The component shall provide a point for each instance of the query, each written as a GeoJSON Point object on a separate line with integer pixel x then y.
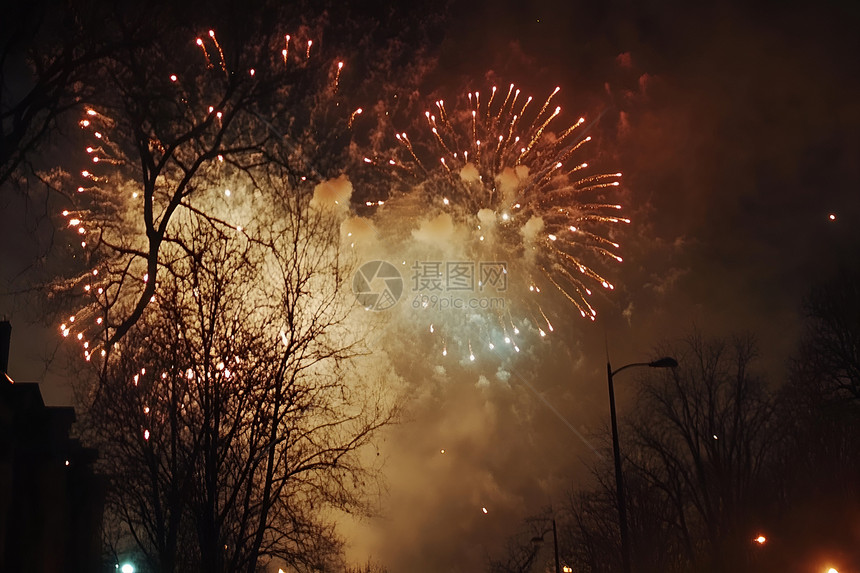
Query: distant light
{"type": "Point", "coordinates": [484, 509]}
{"type": "Point", "coordinates": [127, 568]}
{"type": "Point", "coordinates": [761, 539]}
{"type": "Point", "coordinates": [832, 217]}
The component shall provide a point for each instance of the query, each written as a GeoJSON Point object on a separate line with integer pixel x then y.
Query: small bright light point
{"type": "Point", "coordinates": [442, 451]}
{"type": "Point", "coordinates": [484, 509]}
{"type": "Point", "coordinates": [227, 192]}
{"type": "Point", "coordinates": [445, 201]}
{"type": "Point", "coordinates": [67, 462]}
{"type": "Point", "coordinates": [173, 77]}
{"type": "Point", "coordinates": [761, 539]}
{"type": "Point", "coordinates": [472, 357]}
{"type": "Point", "coordinates": [492, 346]}
{"type": "Point", "coordinates": [146, 434]}
{"type": "Point", "coordinates": [832, 570]}
{"type": "Point", "coordinates": [127, 568]}
{"type": "Point", "coordinates": [832, 216]}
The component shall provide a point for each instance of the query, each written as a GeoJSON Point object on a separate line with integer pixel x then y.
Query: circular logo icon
{"type": "Point", "coordinates": [377, 285]}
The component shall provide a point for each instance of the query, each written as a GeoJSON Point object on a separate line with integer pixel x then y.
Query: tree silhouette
{"type": "Point", "coordinates": [233, 416]}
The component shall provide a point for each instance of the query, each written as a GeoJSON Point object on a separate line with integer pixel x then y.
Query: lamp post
{"type": "Point", "coordinates": [554, 544]}
{"type": "Point", "coordinates": [666, 362]}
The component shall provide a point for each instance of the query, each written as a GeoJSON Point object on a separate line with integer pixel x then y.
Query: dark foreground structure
{"type": "Point", "coordinates": [51, 502]}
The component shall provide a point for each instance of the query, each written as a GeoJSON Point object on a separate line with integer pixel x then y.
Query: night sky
{"type": "Point", "coordinates": [737, 129]}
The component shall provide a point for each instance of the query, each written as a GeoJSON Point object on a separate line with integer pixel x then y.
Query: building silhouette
{"type": "Point", "coordinates": [51, 501]}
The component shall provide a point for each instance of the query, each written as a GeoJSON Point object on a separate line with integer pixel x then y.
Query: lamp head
{"type": "Point", "coordinates": [665, 362]}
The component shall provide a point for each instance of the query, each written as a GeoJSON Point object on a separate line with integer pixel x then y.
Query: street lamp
{"type": "Point", "coordinates": [537, 540]}
{"type": "Point", "coordinates": [666, 362]}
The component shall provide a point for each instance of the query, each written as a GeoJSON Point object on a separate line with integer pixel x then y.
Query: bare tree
{"type": "Point", "coordinates": [233, 416]}
{"type": "Point", "coordinates": [701, 438]}
{"type": "Point", "coordinates": [46, 48]}
{"type": "Point", "coordinates": [830, 349]}
{"type": "Point", "coordinates": [818, 468]}
{"type": "Point", "coordinates": [369, 567]}
{"type": "Point", "coordinates": [177, 122]}
{"type": "Point", "coordinates": [698, 458]}
{"type": "Point", "coordinates": [522, 552]}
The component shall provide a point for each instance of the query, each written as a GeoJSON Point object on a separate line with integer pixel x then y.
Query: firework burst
{"type": "Point", "coordinates": [501, 177]}
{"type": "Point", "coordinates": [194, 147]}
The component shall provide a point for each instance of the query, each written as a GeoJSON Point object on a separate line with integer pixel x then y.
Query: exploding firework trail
{"type": "Point", "coordinates": [498, 180]}
{"type": "Point", "coordinates": [115, 217]}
